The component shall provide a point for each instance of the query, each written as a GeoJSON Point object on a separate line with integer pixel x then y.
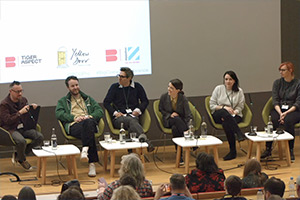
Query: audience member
{"type": "Point", "coordinates": [179, 190]}
{"type": "Point", "coordinates": [132, 165]}
{"type": "Point", "coordinates": [174, 107]}
{"type": "Point", "coordinates": [125, 192]}
{"type": "Point", "coordinates": [26, 193]}
{"type": "Point", "coordinates": [80, 115]}
{"type": "Point", "coordinates": [72, 193]}
{"type": "Point", "coordinates": [298, 186]}
{"type": "Point", "coordinates": [286, 102]}
{"type": "Point", "coordinates": [252, 176]}
{"type": "Point", "coordinates": [233, 186]}
{"type": "Point", "coordinates": [207, 177]}
{"type": "Point", "coordinates": [127, 179]}
{"type": "Point", "coordinates": [226, 104]}
{"type": "Point", "coordinates": [274, 186]}
{"type": "Point", "coordinates": [15, 118]}
{"type": "Point", "coordinates": [8, 197]}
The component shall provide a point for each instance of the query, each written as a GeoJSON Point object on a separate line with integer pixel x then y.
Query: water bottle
{"type": "Point", "coordinates": [291, 187]}
{"type": "Point", "coordinates": [191, 129]}
{"type": "Point", "coordinates": [53, 139]}
{"type": "Point", "coordinates": [122, 134]}
{"type": "Point", "coordinates": [260, 195]}
{"type": "Point", "coordinates": [203, 129]}
{"type": "Point", "coordinates": [270, 126]}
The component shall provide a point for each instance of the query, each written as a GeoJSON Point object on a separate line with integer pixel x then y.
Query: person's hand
{"type": "Point", "coordinates": [80, 118]}
{"type": "Point", "coordinates": [229, 109]}
{"type": "Point", "coordinates": [174, 114]}
{"type": "Point", "coordinates": [282, 116]}
{"type": "Point", "coordinates": [135, 113]}
{"type": "Point", "coordinates": [118, 114]}
{"type": "Point", "coordinates": [24, 110]}
{"type": "Point", "coordinates": [34, 105]}
{"type": "Point", "coordinates": [159, 192]}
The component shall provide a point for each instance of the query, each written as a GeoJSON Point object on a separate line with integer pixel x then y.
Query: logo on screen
{"type": "Point", "coordinates": [132, 53]}
{"type": "Point", "coordinates": [10, 61]}
{"type": "Point", "coordinates": [111, 55]}
{"type": "Point", "coordinates": [30, 60]}
{"type": "Point", "coordinates": [80, 57]}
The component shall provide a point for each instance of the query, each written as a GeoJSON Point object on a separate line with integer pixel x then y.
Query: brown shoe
{"type": "Point", "coordinates": [26, 166]}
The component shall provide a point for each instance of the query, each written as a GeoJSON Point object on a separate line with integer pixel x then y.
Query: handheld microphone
{"type": "Point", "coordinates": [252, 132]}
{"type": "Point", "coordinates": [143, 138]}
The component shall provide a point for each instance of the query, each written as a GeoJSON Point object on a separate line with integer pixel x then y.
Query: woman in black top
{"type": "Point", "coordinates": [286, 102]}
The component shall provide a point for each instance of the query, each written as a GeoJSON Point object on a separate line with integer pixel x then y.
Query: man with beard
{"type": "Point", "coordinates": [14, 111]}
{"type": "Point", "coordinates": [80, 115]}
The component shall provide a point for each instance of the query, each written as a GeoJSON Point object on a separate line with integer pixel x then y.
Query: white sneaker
{"type": "Point", "coordinates": [92, 170]}
{"type": "Point", "coordinates": [84, 154]}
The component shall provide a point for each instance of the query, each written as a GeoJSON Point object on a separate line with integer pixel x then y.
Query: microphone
{"type": "Point", "coordinates": [143, 138]}
{"type": "Point", "coordinates": [252, 132]}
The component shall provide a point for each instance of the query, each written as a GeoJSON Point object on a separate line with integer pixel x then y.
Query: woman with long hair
{"type": "Point", "coordinates": [252, 175]}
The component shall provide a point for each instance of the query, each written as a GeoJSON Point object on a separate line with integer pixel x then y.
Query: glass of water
{"type": "Point", "coordinates": [106, 137]}
{"type": "Point", "coordinates": [186, 134]}
{"type": "Point", "coordinates": [133, 136]}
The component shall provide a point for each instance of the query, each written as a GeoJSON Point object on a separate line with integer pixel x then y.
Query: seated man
{"type": "Point", "coordinates": [14, 117]}
{"type": "Point", "coordinates": [126, 101]}
{"type": "Point", "coordinates": [274, 186]}
{"type": "Point", "coordinates": [178, 188]}
{"type": "Point", "coordinates": [80, 115]}
{"type": "Point", "coordinates": [233, 187]}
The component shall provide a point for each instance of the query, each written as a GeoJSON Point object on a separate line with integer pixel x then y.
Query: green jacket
{"type": "Point", "coordinates": [63, 109]}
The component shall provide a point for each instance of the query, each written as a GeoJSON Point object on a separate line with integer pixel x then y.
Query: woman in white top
{"type": "Point", "coordinates": [226, 105]}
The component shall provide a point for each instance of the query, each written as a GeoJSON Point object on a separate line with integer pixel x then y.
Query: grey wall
{"type": "Point", "coordinates": [196, 41]}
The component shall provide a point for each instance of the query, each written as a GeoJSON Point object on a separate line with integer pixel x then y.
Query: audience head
{"type": "Point", "coordinates": [206, 162]}
{"type": "Point", "coordinates": [233, 185]}
{"type": "Point", "coordinates": [72, 193]}
{"type": "Point", "coordinates": [132, 165]}
{"type": "Point", "coordinates": [8, 197]}
{"type": "Point", "coordinates": [125, 192]}
{"type": "Point", "coordinates": [235, 86]}
{"type": "Point", "coordinates": [127, 179]}
{"type": "Point", "coordinates": [298, 186]}
{"type": "Point", "coordinates": [275, 197]}
{"type": "Point", "coordinates": [252, 166]}
{"type": "Point", "coordinates": [177, 182]}
{"type": "Point", "coordinates": [274, 186]}
{"type": "Point", "coordinates": [26, 193]}
{"type": "Point", "coordinates": [289, 66]}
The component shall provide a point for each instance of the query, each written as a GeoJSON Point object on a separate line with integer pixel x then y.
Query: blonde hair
{"type": "Point", "coordinates": [125, 192]}
{"type": "Point", "coordinates": [132, 165]}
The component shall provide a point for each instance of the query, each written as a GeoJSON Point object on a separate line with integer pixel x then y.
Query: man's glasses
{"type": "Point", "coordinates": [121, 76]}
{"type": "Point", "coordinates": [17, 91]}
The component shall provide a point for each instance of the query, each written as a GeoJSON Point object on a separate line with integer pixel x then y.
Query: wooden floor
{"type": "Point", "coordinates": [154, 174]}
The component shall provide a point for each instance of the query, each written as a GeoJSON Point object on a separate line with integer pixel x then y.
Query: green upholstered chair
{"type": "Point", "coordinates": [196, 117]}
{"type": "Point", "coordinates": [145, 121]}
{"type": "Point", "coordinates": [69, 137]}
{"type": "Point", "coordinates": [246, 121]}
{"type": "Point", "coordinates": [266, 112]}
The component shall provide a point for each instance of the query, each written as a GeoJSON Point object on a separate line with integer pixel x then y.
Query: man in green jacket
{"type": "Point", "coordinates": [80, 115]}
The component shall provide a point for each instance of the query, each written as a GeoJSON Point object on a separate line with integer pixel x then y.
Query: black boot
{"type": "Point", "coordinates": [292, 155]}
{"type": "Point", "coordinates": [266, 153]}
{"type": "Point", "coordinates": [231, 155]}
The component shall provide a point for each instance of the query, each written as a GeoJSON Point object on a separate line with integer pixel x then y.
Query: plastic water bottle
{"type": "Point", "coordinates": [291, 187]}
{"type": "Point", "coordinates": [203, 129]}
{"type": "Point", "coordinates": [260, 195]}
{"type": "Point", "coordinates": [53, 139]}
{"type": "Point", "coordinates": [122, 134]}
{"type": "Point", "coordinates": [191, 129]}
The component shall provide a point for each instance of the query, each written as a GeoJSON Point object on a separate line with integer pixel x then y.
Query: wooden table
{"type": "Point", "coordinates": [187, 144]}
{"type": "Point", "coordinates": [68, 150]}
{"type": "Point", "coordinates": [115, 146]}
{"type": "Point", "coordinates": [263, 137]}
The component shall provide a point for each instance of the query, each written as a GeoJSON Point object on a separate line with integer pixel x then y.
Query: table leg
{"type": "Point", "coordinates": [38, 171]}
{"type": "Point", "coordinates": [140, 153]}
{"type": "Point", "coordinates": [44, 161]}
{"type": "Point", "coordinates": [216, 155]}
{"type": "Point", "coordinates": [280, 150]}
{"type": "Point", "coordinates": [69, 163]}
{"type": "Point", "coordinates": [187, 159]}
{"type": "Point", "coordinates": [206, 149]}
{"type": "Point", "coordinates": [178, 156]}
{"type": "Point", "coordinates": [112, 162]}
{"type": "Point", "coordinates": [287, 153]}
{"type": "Point", "coordinates": [105, 159]}
{"type": "Point", "coordinates": [258, 151]}
{"type": "Point", "coordinates": [250, 146]}
{"type": "Point", "coordinates": [74, 166]}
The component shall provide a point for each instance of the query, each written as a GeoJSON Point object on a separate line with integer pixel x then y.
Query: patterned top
{"type": "Point", "coordinates": [200, 181]}
{"type": "Point", "coordinates": [144, 191]}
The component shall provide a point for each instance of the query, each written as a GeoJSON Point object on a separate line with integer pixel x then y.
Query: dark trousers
{"type": "Point", "coordinates": [131, 124]}
{"type": "Point", "coordinates": [21, 147]}
{"type": "Point", "coordinates": [289, 125]}
{"type": "Point", "coordinates": [85, 131]}
{"type": "Point", "coordinates": [230, 125]}
{"type": "Point", "coordinates": [178, 126]}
